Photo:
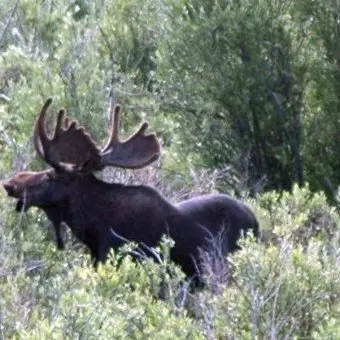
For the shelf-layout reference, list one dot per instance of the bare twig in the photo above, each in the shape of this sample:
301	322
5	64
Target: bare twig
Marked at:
9	20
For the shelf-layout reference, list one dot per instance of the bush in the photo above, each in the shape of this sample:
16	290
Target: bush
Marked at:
287	287
300	217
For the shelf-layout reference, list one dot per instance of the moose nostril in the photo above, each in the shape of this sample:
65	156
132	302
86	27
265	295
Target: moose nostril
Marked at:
9	189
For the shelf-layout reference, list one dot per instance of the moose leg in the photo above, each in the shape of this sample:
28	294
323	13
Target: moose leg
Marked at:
100	250
54	214
59	232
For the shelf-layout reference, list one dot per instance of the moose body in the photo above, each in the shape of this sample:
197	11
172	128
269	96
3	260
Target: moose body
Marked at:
104	216
222	216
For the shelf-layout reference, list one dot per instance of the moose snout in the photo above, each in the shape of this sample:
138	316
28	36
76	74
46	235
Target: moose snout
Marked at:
9	189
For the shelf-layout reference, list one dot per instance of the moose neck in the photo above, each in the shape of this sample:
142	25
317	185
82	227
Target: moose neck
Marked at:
90	183
90	196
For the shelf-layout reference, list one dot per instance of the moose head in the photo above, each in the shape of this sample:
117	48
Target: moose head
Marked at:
72	152
106	215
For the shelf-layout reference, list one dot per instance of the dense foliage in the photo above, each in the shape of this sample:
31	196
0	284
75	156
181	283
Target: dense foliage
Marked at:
245	96
252	86
286	287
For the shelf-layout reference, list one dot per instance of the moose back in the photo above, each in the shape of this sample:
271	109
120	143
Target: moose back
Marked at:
104	215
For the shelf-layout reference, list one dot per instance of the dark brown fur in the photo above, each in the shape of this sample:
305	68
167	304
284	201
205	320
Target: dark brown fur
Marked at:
97	211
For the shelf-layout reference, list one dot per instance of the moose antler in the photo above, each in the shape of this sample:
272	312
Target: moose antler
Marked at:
136	151
71	148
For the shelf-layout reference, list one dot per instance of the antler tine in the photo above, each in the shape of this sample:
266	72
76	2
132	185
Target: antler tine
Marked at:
137	151
60	123
41	141
115	123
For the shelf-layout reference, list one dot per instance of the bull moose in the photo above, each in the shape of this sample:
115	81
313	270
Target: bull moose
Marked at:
106	215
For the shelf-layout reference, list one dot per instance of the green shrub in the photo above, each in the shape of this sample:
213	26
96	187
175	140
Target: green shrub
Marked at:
286	287
300	217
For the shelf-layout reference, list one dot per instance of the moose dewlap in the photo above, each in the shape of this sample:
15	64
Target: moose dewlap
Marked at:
105	215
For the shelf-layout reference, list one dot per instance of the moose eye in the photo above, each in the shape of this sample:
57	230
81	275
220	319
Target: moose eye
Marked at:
50	176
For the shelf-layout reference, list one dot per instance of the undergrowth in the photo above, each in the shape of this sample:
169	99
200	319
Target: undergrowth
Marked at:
285	287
